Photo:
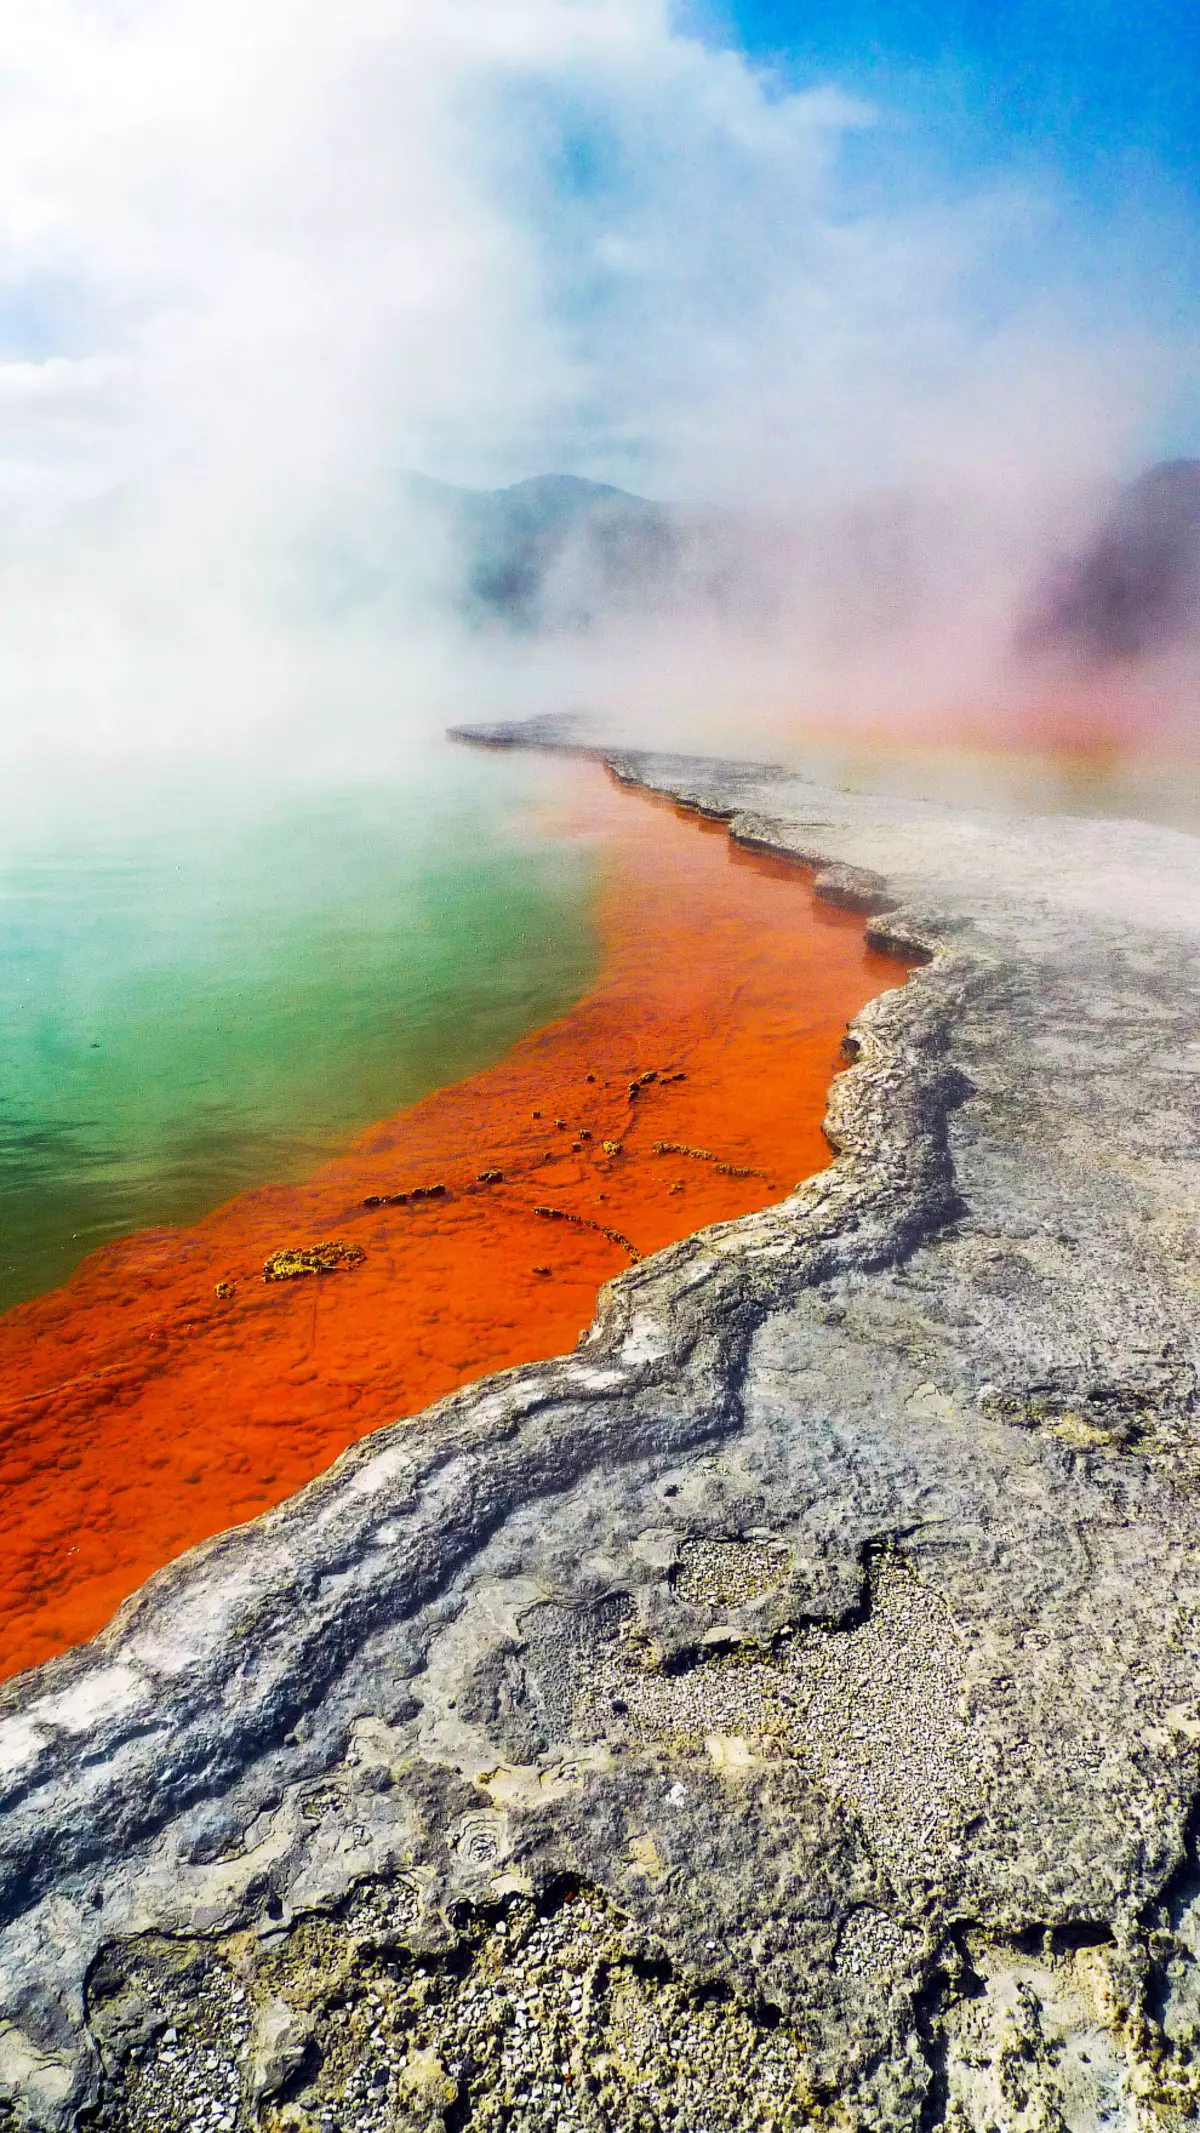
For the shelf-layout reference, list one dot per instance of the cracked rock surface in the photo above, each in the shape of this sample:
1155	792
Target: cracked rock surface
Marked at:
782	1712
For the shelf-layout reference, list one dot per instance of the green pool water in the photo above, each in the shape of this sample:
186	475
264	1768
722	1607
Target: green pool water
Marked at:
208	987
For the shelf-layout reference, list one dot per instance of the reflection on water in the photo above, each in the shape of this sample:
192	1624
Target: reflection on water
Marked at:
217	990
1098	780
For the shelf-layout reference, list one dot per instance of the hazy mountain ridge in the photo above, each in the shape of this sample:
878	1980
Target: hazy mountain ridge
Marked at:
559	553
554	549
1134	588
556	552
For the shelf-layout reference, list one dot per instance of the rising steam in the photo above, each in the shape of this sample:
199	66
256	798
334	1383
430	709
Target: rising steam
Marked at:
263	266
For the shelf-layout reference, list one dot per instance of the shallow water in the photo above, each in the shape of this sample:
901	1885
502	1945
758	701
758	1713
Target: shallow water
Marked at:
203	988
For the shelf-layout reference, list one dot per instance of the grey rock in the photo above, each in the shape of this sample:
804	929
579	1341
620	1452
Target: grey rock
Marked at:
282	2037
783	1711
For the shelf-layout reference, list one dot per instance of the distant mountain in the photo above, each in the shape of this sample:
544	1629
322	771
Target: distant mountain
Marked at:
1135	588
552	550
559	554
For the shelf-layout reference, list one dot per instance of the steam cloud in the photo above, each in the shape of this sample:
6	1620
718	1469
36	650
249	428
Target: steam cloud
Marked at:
261	264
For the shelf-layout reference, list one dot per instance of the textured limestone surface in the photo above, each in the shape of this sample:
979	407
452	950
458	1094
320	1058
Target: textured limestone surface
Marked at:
784	1711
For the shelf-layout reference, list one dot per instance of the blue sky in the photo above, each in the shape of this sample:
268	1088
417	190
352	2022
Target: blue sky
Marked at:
1106	92
1096	103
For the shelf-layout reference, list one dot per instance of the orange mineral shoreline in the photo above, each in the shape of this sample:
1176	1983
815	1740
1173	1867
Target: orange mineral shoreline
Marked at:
168	1391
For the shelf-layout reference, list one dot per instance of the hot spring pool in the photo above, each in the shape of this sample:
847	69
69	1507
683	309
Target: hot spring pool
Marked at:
206	986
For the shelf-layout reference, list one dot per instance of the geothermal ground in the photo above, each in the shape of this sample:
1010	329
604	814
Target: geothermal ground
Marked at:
783	1711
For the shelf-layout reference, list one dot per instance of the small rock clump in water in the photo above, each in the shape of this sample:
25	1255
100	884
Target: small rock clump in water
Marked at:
293	1262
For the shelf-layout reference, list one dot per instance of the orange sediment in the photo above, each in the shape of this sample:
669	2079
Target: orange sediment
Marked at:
168	1390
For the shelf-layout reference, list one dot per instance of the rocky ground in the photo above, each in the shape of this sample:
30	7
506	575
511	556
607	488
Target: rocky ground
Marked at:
784	1711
